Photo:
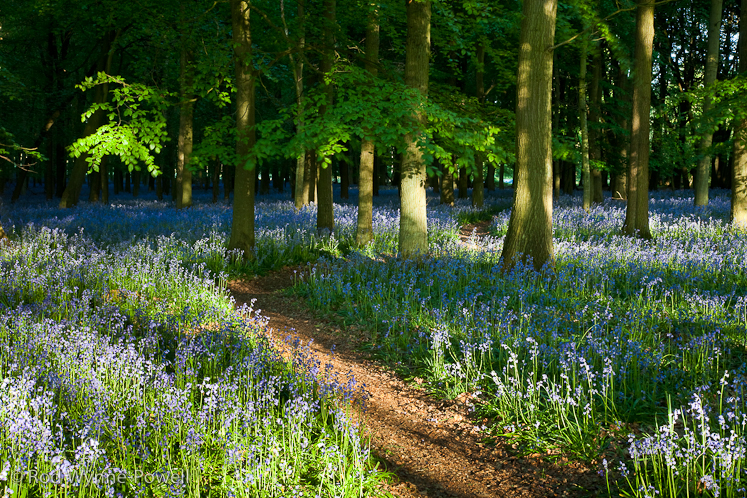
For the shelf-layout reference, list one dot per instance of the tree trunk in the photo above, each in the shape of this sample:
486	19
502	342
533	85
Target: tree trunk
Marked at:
556	164
301	192
306	192
447	187
136	183
703	170
71	195
186	127
595	142
529	235
413	222
325	216
94	184
311	168
49	171
739	168
364	232
60	167
620	185
242	224
490	178
216	180
582	113
23	172
344	178
229	179
636	215
463	180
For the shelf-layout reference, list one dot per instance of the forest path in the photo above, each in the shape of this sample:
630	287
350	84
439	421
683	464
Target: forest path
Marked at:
431	445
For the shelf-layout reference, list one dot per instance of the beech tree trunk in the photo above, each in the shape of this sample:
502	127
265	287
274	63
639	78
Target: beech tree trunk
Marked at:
529	235
739	168
364	232
447	187
186	127
413	222
490	178
636	215
595	144
325	216
463	183
71	195
23	172
242	224
478	188
703	171
620	185
301	193
556	164
583	112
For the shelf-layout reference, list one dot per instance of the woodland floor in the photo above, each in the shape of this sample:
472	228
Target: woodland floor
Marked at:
430	445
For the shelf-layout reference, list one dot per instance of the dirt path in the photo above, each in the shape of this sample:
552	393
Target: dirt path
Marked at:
431	445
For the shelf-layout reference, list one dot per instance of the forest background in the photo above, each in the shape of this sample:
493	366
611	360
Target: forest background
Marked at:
616	99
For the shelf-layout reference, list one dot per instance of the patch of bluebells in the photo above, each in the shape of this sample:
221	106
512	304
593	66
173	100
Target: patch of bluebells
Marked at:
622	330
122	356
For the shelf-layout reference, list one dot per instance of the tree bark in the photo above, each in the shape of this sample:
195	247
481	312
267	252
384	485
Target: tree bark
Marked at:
344	167
23	172
186	131
595	143
447	187
582	113
364	232
620	185
242	224
463	180
703	171
413	222
739	168
313	169
636	214
490	178
556	164
71	195
301	193
478	188
529	235
325	216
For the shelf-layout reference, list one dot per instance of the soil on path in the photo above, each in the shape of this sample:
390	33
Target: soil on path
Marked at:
431	445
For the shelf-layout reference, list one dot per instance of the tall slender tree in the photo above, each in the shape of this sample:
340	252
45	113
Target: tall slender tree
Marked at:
478	186
71	195
413	221
703	171
529	233
595	143
636	214
364	233
186	129
325	217
301	194
583	112
242	224
739	169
